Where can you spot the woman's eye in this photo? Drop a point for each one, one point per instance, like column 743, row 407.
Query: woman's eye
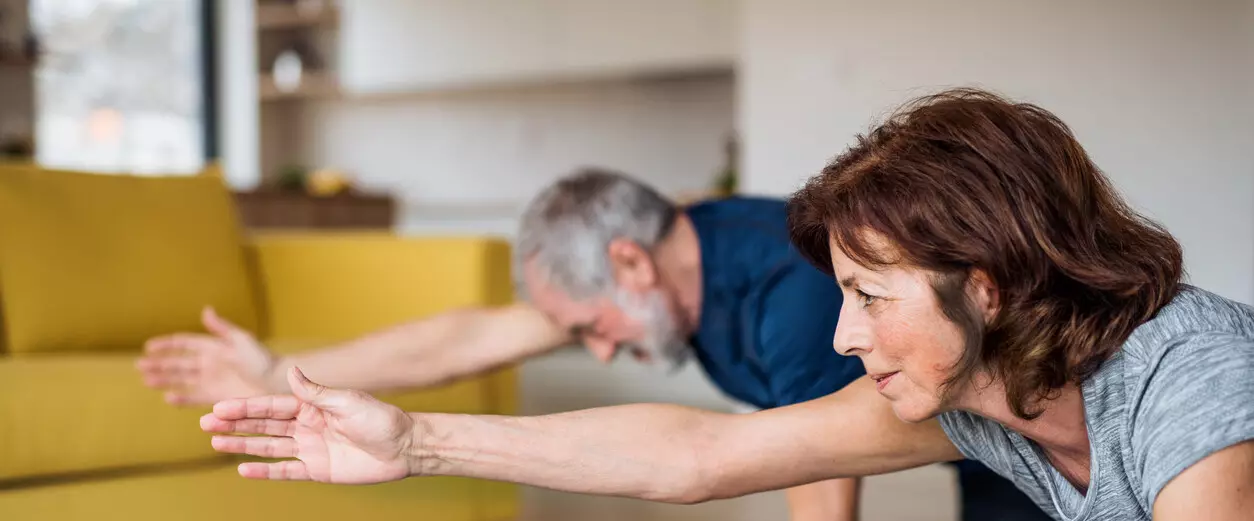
column 866, row 299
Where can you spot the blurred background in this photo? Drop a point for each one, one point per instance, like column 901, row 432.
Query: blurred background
column 443, row 117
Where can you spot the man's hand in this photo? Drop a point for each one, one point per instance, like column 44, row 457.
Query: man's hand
column 198, row 369
column 336, row 436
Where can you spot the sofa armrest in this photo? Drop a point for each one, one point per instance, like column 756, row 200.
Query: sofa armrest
column 338, row 286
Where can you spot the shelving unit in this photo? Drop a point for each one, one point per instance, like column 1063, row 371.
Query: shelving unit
column 16, row 61
column 288, row 15
column 17, row 83
column 313, row 85
column 283, row 26
column 310, row 29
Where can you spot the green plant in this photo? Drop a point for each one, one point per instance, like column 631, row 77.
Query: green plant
column 728, row 179
column 292, row 177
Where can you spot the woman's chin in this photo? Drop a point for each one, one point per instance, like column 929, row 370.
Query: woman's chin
column 912, row 411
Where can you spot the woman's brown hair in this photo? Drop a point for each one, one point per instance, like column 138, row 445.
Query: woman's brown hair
column 965, row 180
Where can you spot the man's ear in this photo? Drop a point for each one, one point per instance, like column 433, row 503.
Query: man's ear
column 633, row 268
column 984, row 294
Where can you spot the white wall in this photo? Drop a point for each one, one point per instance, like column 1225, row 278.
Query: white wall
column 238, row 111
column 459, row 43
column 1158, row 91
column 469, row 161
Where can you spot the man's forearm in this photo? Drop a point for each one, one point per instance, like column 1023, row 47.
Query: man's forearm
column 425, row 353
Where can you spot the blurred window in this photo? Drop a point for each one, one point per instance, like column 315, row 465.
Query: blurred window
column 123, row 85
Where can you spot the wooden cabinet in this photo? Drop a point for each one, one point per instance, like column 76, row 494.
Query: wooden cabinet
column 389, row 46
column 267, row 209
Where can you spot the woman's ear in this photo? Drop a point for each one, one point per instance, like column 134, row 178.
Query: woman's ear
column 984, row 294
column 633, row 268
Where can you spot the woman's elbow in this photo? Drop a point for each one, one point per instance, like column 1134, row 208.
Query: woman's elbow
column 688, row 493
column 697, row 481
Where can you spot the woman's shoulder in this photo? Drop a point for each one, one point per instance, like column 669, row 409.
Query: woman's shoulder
column 1195, row 319
column 1190, row 376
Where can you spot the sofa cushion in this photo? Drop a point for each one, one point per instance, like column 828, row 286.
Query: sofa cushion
column 62, row 415
column 102, row 262
column 217, row 493
column 71, row 414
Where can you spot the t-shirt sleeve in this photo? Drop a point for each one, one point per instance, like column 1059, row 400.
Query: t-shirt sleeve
column 797, row 320
column 1199, row 399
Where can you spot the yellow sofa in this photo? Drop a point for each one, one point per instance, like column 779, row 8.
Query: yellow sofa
column 92, row 265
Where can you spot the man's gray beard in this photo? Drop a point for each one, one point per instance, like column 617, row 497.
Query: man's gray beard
column 668, row 352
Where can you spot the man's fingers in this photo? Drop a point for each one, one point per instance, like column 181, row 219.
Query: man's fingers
column 277, row 447
column 177, row 398
column 179, row 344
column 271, row 407
column 161, row 345
column 176, row 365
column 221, row 327
column 163, row 374
column 290, row 470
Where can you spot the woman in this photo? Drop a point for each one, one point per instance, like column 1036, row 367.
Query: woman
column 1080, row 366
column 1010, row 307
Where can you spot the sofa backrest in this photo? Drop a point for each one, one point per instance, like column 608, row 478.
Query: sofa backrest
column 92, row 262
column 334, row 286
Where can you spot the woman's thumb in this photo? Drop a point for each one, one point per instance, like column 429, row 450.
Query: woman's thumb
column 320, row 395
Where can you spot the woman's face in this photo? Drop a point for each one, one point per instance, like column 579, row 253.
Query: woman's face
column 891, row 319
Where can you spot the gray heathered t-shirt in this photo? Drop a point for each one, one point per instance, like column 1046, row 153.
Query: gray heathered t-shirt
column 1181, row 388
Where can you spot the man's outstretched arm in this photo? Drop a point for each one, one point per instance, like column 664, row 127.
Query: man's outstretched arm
column 428, row 352
column 656, row 452
column 229, row 362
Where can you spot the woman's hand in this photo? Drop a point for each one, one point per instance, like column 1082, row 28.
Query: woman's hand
column 334, row 436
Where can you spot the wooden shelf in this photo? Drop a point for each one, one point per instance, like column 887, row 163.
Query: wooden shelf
column 286, row 16
column 272, row 209
column 313, row 85
column 16, row 60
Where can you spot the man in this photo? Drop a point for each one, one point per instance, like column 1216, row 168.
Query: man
column 605, row 261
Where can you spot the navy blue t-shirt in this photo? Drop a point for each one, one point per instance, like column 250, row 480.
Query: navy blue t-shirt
column 767, row 315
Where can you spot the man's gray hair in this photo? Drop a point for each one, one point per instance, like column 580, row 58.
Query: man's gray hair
column 566, row 230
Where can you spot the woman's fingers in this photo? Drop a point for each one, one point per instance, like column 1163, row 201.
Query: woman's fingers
column 265, row 447
column 290, row 470
column 211, row 423
column 260, row 407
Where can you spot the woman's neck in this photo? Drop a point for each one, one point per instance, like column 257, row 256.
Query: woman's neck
column 1060, row 430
